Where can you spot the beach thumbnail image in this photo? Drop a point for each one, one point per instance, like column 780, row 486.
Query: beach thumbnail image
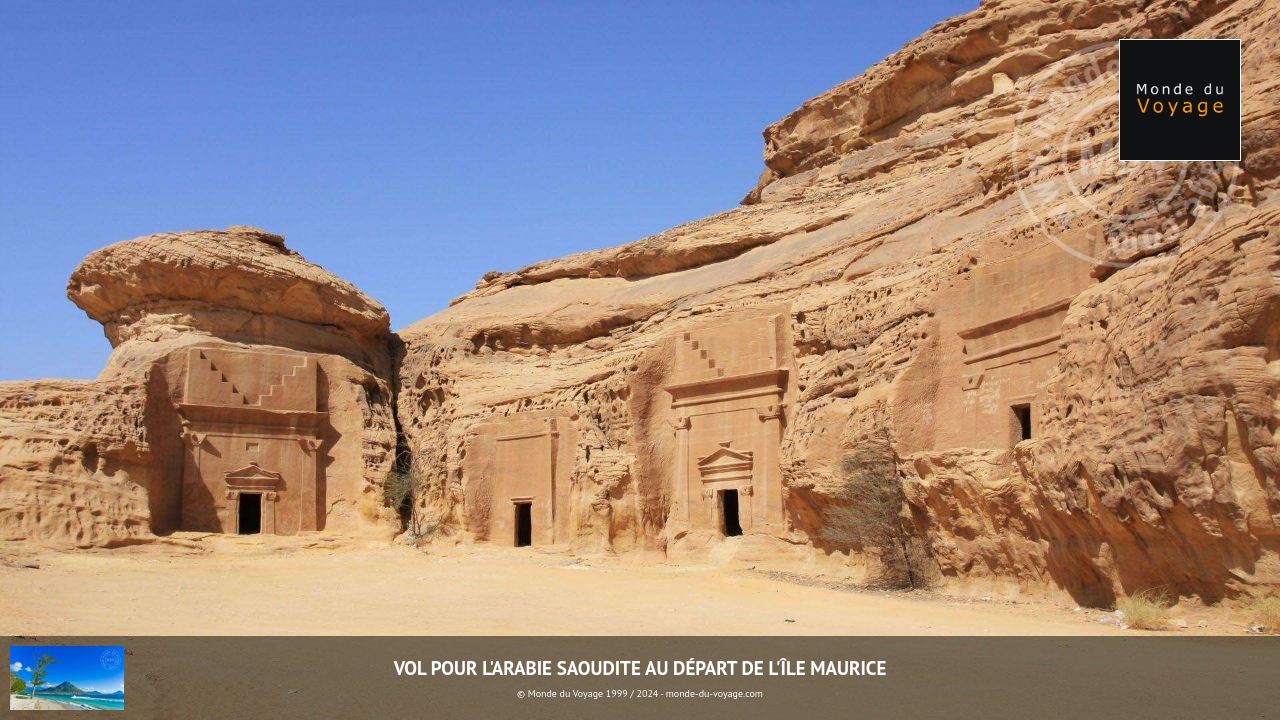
column 66, row 677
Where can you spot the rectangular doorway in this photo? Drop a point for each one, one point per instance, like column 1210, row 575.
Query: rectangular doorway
column 524, row 524
column 1021, row 423
column 250, row 513
column 729, row 511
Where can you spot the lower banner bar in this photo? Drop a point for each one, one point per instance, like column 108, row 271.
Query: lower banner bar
column 644, row 677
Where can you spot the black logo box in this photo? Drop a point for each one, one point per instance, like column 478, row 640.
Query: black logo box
column 1186, row 68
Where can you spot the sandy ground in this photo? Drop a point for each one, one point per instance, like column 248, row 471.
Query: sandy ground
column 38, row 703
column 226, row 585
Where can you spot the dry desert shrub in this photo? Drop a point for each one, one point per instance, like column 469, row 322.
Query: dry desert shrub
column 868, row 514
column 1265, row 612
column 402, row 491
column 1145, row 610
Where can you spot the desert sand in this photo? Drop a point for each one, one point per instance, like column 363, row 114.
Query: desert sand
column 323, row 585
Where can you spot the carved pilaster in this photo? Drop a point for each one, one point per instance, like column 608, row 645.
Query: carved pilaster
column 680, row 484
column 769, row 473
column 308, row 505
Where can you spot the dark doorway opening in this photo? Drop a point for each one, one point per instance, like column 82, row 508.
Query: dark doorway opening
column 524, row 524
column 729, row 509
column 1022, row 417
column 250, row 513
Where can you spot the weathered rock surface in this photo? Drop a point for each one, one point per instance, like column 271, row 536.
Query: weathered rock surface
column 951, row 71
column 73, row 462
column 241, row 283
column 942, row 281
column 933, row 301
column 231, row 352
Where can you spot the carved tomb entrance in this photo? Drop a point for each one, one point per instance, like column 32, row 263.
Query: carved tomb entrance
column 516, row 471
column 253, row 435
column 727, row 401
column 250, row 514
column 524, row 523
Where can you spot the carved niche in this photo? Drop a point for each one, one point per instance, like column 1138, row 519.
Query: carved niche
column 1008, row 315
column 252, row 426
column 727, row 399
column 520, row 463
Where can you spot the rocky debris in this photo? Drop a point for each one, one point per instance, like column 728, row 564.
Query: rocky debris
column 1115, row 618
column 19, row 562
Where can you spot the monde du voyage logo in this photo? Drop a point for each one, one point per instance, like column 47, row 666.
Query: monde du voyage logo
column 1180, row 100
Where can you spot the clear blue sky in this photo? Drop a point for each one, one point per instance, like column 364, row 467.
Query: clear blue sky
column 81, row 665
column 407, row 147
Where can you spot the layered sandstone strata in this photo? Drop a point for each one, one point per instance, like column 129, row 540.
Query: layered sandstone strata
column 903, row 284
column 241, row 375
column 1067, row 364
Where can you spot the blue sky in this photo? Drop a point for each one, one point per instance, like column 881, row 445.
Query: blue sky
column 81, row 665
column 408, row 147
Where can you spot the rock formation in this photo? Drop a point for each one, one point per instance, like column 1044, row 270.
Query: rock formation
column 1066, row 411
column 246, row 386
column 939, row 273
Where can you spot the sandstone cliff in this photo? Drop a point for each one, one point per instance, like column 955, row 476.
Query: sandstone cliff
column 111, row 460
column 943, row 280
column 926, row 291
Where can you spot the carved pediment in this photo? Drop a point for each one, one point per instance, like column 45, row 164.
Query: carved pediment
column 725, row 463
column 725, row 455
column 253, row 477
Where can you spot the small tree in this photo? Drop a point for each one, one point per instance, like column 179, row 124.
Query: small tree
column 16, row 684
column 40, row 673
column 402, row 490
column 869, row 515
